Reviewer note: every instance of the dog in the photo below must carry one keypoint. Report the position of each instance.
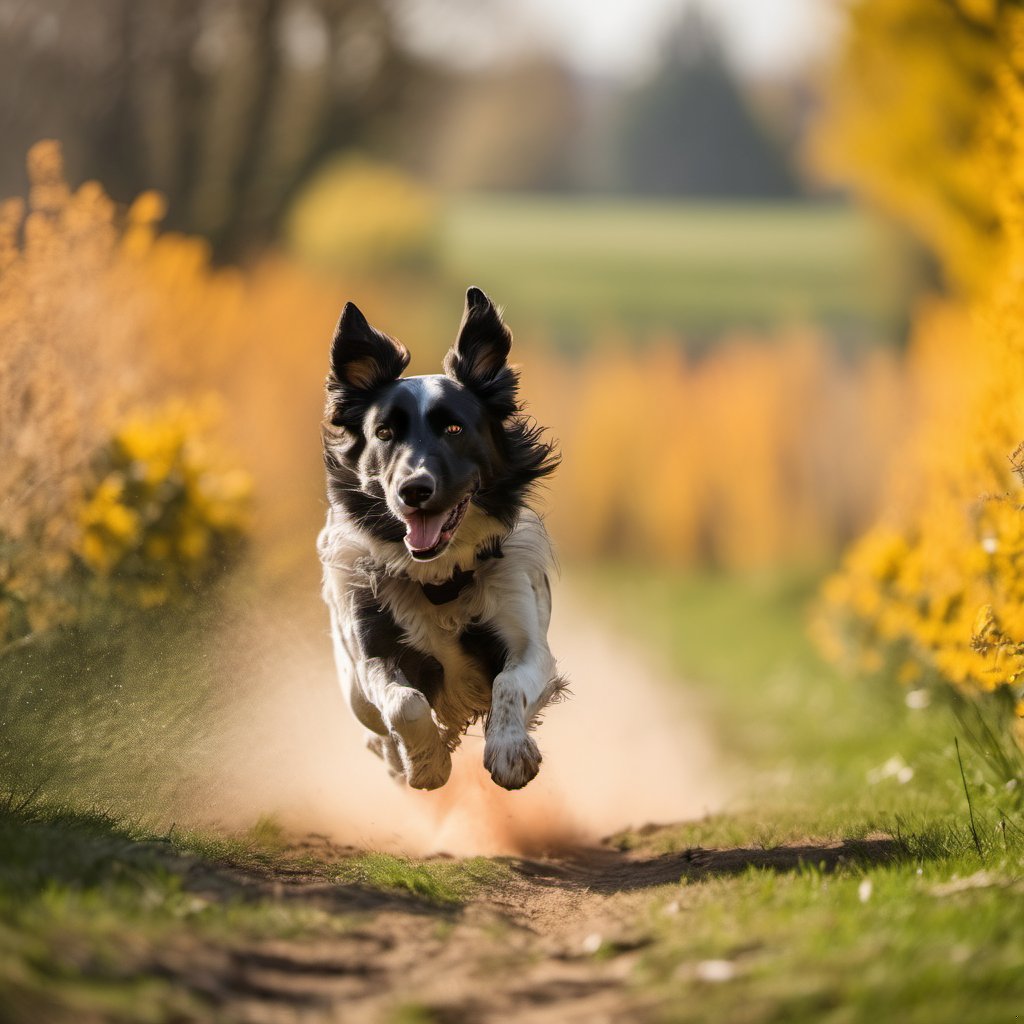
(436, 570)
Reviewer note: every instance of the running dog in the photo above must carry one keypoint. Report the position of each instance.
(436, 570)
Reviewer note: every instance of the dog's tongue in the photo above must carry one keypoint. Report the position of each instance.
(423, 530)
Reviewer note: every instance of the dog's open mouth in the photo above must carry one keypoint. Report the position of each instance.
(427, 534)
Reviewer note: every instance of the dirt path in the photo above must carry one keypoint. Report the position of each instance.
(556, 942)
(630, 747)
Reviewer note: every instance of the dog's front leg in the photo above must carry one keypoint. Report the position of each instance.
(524, 685)
(426, 762)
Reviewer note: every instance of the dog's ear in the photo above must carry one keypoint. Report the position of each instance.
(363, 358)
(480, 353)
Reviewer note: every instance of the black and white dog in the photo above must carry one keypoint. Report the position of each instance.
(435, 570)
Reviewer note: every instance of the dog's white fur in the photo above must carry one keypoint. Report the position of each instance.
(510, 594)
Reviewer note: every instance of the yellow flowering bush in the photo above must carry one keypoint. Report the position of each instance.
(907, 122)
(163, 516)
(738, 460)
(936, 591)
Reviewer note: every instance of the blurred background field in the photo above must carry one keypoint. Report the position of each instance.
(762, 266)
(574, 266)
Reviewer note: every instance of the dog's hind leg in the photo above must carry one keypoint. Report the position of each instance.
(387, 750)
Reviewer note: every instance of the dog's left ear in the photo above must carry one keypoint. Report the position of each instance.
(480, 353)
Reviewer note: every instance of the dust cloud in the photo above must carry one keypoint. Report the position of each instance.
(628, 747)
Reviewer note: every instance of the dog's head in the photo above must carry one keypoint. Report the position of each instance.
(413, 459)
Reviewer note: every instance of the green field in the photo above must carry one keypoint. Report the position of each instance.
(580, 266)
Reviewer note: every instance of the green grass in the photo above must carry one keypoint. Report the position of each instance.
(102, 717)
(438, 881)
(99, 916)
(583, 267)
(926, 929)
(884, 943)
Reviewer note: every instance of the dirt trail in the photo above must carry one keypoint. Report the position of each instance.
(522, 950)
(630, 747)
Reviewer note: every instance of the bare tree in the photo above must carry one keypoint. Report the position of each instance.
(224, 105)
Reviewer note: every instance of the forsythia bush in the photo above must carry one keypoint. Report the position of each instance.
(936, 591)
(908, 121)
(100, 317)
(163, 516)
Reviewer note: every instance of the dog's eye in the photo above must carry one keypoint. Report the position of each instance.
(384, 433)
(453, 428)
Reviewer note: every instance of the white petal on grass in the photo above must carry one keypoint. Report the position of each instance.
(715, 971)
(864, 890)
(894, 768)
(917, 700)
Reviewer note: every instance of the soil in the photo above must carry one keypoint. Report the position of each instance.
(556, 942)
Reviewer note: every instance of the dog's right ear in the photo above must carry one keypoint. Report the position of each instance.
(363, 358)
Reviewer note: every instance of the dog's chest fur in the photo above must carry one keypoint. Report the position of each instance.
(465, 636)
(453, 634)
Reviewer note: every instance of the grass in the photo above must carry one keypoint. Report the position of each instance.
(96, 911)
(438, 881)
(929, 929)
(883, 943)
(99, 916)
(103, 716)
(578, 265)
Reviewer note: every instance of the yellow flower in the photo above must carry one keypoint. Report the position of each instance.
(95, 553)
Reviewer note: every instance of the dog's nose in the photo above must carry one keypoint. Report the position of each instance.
(417, 490)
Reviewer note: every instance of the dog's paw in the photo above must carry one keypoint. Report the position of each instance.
(512, 758)
(429, 773)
